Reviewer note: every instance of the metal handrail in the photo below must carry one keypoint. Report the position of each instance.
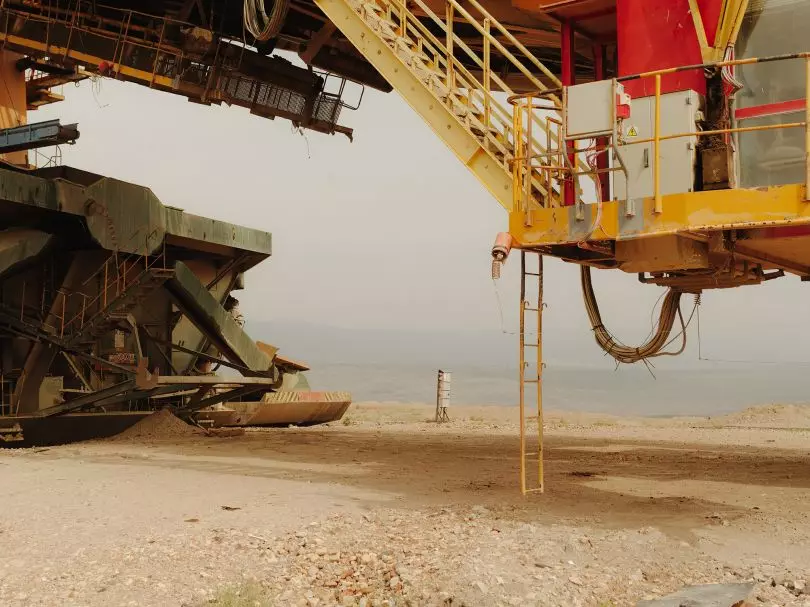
(525, 102)
(486, 112)
(161, 49)
(483, 63)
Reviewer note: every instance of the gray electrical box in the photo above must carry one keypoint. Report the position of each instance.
(680, 113)
(590, 108)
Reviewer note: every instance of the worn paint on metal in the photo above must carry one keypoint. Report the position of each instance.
(127, 217)
(180, 224)
(693, 211)
(20, 245)
(196, 302)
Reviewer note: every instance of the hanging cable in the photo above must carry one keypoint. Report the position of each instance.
(627, 354)
(259, 24)
(728, 73)
(592, 160)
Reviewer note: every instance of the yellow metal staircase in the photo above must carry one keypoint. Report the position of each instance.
(465, 106)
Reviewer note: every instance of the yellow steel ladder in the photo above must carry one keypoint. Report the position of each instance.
(531, 370)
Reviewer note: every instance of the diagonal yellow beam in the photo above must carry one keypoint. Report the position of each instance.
(728, 26)
(706, 51)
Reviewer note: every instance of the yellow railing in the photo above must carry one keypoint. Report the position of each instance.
(553, 165)
(476, 97)
(657, 137)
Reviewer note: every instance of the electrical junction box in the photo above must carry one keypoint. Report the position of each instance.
(590, 108)
(680, 113)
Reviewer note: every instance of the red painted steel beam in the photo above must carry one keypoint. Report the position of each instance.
(568, 78)
(770, 109)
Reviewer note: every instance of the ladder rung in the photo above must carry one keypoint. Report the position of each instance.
(531, 381)
(532, 309)
(531, 345)
(531, 273)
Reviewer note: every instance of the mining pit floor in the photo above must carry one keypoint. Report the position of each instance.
(386, 508)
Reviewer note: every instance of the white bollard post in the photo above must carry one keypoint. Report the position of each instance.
(442, 396)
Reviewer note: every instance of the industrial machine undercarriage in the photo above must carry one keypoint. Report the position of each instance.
(113, 305)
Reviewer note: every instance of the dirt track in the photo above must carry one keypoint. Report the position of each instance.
(623, 518)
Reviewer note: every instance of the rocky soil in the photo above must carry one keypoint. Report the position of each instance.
(475, 557)
(390, 510)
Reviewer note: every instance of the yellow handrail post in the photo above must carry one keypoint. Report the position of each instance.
(517, 120)
(486, 72)
(659, 203)
(451, 79)
(529, 152)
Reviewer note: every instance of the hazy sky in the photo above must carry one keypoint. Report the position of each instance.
(390, 231)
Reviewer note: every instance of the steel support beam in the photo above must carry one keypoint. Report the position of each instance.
(216, 323)
(37, 135)
(222, 397)
(568, 78)
(89, 399)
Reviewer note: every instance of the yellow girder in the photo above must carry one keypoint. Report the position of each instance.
(681, 213)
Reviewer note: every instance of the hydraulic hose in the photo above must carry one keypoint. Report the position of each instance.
(626, 354)
(264, 27)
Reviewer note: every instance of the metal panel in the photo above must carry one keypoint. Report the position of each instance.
(693, 211)
(20, 245)
(590, 108)
(127, 217)
(196, 230)
(679, 112)
(661, 254)
(50, 391)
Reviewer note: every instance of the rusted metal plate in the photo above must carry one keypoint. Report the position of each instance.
(283, 408)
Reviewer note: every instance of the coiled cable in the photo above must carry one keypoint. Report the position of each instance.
(259, 24)
(670, 309)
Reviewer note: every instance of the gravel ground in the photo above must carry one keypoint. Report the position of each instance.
(389, 510)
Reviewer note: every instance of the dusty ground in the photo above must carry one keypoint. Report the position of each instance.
(385, 508)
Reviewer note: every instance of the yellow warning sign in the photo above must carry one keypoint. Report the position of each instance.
(632, 131)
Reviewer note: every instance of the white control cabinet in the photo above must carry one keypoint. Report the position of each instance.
(680, 112)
